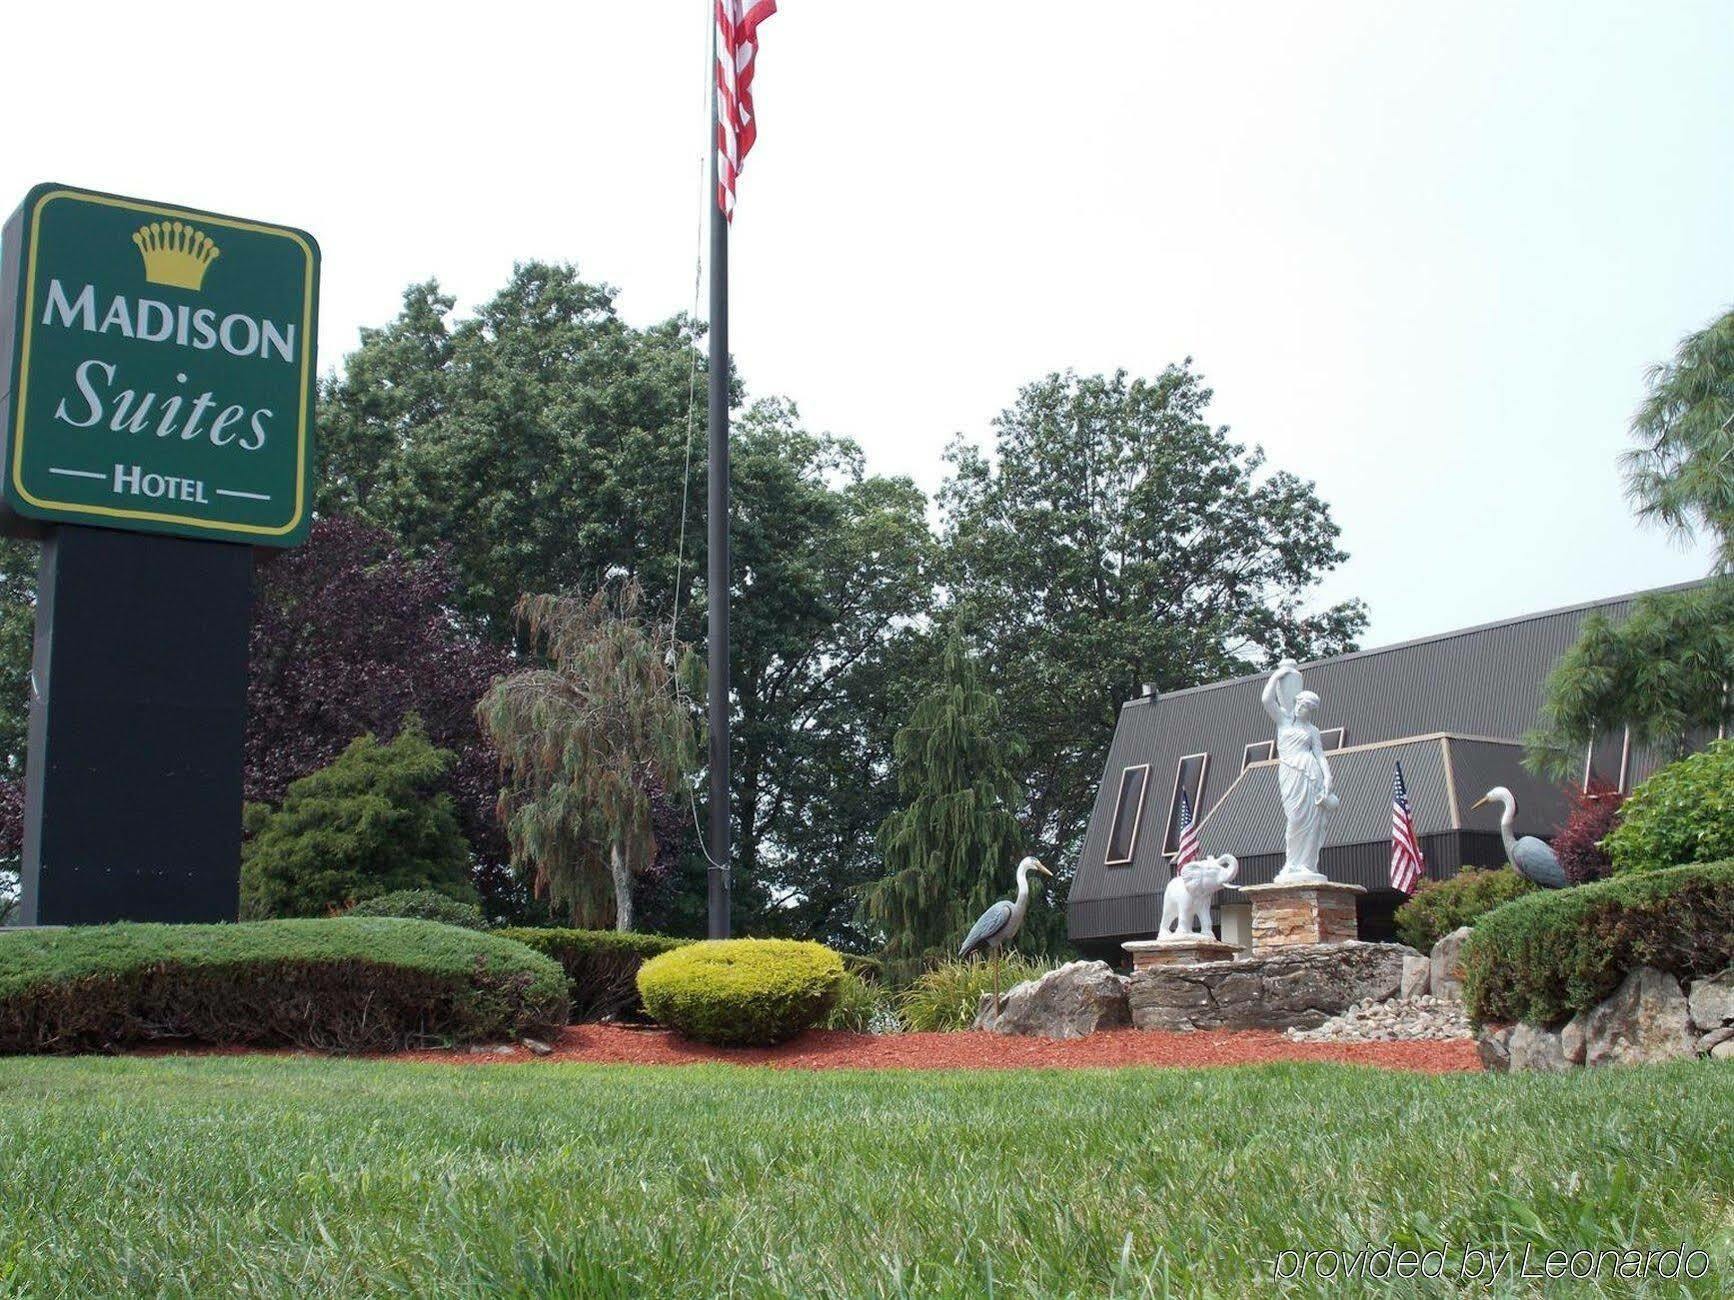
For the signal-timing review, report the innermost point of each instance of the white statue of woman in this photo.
(1302, 771)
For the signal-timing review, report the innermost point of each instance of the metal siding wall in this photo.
(1478, 682)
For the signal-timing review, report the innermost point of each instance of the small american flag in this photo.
(1188, 850)
(1406, 861)
(737, 47)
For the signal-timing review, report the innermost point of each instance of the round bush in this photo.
(1440, 906)
(741, 991)
(1682, 814)
(1551, 954)
(423, 905)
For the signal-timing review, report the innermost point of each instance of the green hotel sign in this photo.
(159, 369)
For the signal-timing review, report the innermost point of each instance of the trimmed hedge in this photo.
(1440, 906)
(601, 966)
(1547, 956)
(741, 991)
(423, 905)
(340, 984)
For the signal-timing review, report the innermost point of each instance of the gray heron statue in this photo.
(1530, 857)
(1000, 924)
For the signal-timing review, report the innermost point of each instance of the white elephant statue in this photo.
(1186, 901)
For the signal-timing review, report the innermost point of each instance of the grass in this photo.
(323, 1177)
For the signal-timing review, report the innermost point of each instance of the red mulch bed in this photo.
(820, 1049)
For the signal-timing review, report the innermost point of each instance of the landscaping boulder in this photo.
(1446, 976)
(1647, 1019)
(1573, 1039)
(1077, 999)
(1712, 1001)
(1715, 1038)
(1530, 1048)
(1417, 977)
(1299, 987)
(1494, 1048)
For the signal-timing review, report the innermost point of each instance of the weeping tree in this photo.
(586, 743)
(947, 848)
(1663, 672)
(1680, 473)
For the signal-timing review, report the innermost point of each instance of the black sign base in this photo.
(132, 805)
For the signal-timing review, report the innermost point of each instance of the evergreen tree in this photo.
(947, 851)
(373, 821)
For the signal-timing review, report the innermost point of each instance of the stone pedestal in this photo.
(1294, 987)
(1178, 952)
(1302, 913)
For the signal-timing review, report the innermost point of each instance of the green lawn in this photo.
(314, 1177)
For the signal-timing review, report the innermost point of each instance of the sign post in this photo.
(157, 416)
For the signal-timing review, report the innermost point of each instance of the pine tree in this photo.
(374, 820)
(948, 851)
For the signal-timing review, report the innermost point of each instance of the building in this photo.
(1452, 708)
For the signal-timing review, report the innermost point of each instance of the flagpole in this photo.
(717, 582)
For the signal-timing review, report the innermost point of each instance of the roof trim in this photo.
(1443, 738)
(1426, 640)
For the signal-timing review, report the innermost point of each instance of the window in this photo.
(1259, 751)
(1128, 812)
(1331, 739)
(1188, 776)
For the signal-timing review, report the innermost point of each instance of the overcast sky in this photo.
(1423, 253)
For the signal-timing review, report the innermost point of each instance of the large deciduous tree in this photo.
(586, 743)
(1114, 536)
(550, 446)
(541, 441)
(946, 850)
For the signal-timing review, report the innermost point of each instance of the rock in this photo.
(1077, 999)
(1647, 1019)
(1712, 1001)
(1417, 977)
(1494, 1049)
(1723, 1051)
(1532, 1048)
(537, 1046)
(1296, 987)
(1445, 978)
(1424, 1018)
(1707, 1042)
(1572, 1038)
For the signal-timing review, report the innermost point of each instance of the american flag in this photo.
(737, 47)
(1188, 850)
(1406, 862)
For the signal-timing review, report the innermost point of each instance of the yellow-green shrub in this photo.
(738, 991)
